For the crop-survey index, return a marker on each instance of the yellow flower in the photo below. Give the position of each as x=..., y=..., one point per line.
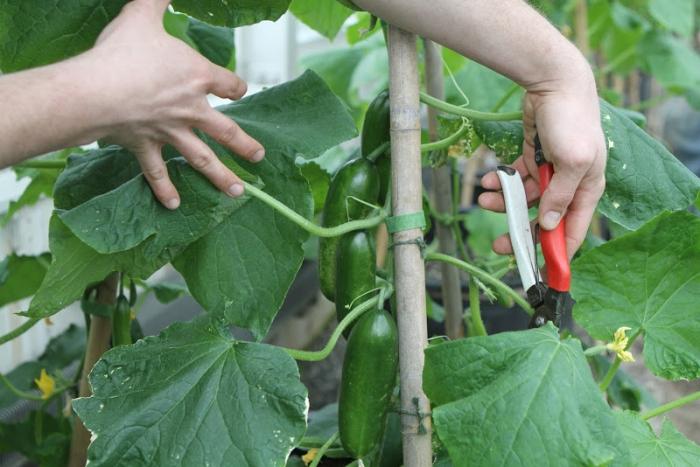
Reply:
x=619, y=345
x=309, y=456
x=46, y=384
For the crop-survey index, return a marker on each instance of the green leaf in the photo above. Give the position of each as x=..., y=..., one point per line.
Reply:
x=167, y=292
x=216, y=43
x=647, y=280
x=671, y=61
x=45, y=441
x=624, y=391
x=504, y=400
x=59, y=353
x=301, y=118
x=642, y=177
x=39, y=32
x=504, y=138
x=670, y=448
x=205, y=400
x=125, y=217
x=483, y=86
x=233, y=13
x=325, y=16
x=484, y=227
x=20, y=276
x=678, y=15
x=323, y=424
x=318, y=180
x=362, y=28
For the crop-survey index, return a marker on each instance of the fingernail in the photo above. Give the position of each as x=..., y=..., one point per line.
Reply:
x=236, y=190
x=258, y=156
x=172, y=203
x=550, y=220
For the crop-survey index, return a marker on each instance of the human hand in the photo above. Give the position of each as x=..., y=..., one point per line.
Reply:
x=566, y=116
x=159, y=88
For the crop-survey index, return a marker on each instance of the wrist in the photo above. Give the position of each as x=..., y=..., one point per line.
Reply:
x=565, y=70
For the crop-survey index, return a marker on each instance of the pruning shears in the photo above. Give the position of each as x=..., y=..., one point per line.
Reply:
x=551, y=301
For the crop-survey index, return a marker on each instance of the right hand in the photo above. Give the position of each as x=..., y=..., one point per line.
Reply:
x=160, y=86
x=566, y=116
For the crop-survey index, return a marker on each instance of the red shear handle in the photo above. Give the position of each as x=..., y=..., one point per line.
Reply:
x=554, y=243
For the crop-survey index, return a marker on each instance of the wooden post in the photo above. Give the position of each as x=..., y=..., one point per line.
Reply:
x=409, y=268
x=442, y=196
x=99, y=337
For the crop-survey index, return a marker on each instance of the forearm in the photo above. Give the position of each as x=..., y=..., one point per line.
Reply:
x=505, y=35
x=50, y=108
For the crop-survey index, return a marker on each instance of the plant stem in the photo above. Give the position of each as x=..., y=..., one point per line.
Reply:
x=610, y=375
x=18, y=392
x=621, y=57
x=378, y=151
x=445, y=142
x=42, y=164
x=662, y=409
x=318, y=355
x=18, y=331
x=595, y=350
x=304, y=223
x=477, y=324
x=475, y=114
x=483, y=276
x=322, y=450
x=505, y=97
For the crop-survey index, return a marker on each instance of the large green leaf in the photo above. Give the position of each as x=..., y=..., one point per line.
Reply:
x=482, y=86
x=670, y=448
x=193, y=396
x=672, y=61
x=678, y=15
x=301, y=118
x=647, y=280
x=520, y=399
x=642, y=177
x=38, y=32
x=20, y=276
x=216, y=43
x=326, y=17
x=503, y=138
x=233, y=13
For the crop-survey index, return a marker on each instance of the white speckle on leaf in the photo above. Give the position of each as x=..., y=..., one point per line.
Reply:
x=606, y=117
x=616, y=205
x=611, y=143
x=624, y=166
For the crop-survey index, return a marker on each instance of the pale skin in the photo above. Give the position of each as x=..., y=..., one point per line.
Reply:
x=142, y=89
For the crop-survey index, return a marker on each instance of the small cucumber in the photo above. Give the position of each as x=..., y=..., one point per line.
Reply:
x=121, y=322
x=355, y=272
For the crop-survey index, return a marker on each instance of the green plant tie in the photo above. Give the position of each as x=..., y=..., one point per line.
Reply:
x=401, y=222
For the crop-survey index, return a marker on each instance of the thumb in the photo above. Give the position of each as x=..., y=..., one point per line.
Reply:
x=556, y=198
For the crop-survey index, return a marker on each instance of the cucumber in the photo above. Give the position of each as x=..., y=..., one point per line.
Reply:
x=121, y=322
x=375, y=132
x=358, y=179
x=355, y=271
x=368, y=380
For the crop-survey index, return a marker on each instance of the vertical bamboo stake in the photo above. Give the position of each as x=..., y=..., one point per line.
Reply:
x=442, y=195
x=409, y=268
x=97, y=344
x=581, y=27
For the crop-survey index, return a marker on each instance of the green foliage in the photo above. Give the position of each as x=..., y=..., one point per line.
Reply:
x=39, y=32
x=647, y=280
x=642, y=177
x=504, y=138
x=520, y=398
x=20, y=276
x=205, y=399
x=216, y=43
x=233, y=13
x=40, y=437
x=326, y=17
x=670, y=448
x=678, y=16
x=166, y=292
x=59, y=353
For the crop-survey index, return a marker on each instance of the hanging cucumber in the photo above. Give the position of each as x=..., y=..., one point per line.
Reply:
x=121, y=322
x=355, y=271
x=368, y=380
x=356, y=179
x=375, y=132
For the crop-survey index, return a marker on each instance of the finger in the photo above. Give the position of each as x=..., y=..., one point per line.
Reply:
x=228, y=133
x=493, y=200
x=490, y=181
x=502, y=245
x=557, y=197
x=202, y=158
x=579, y=215
x=226, y=84
x=156, y=174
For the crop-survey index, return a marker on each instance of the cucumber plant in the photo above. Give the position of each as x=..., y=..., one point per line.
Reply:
x=194, y=395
